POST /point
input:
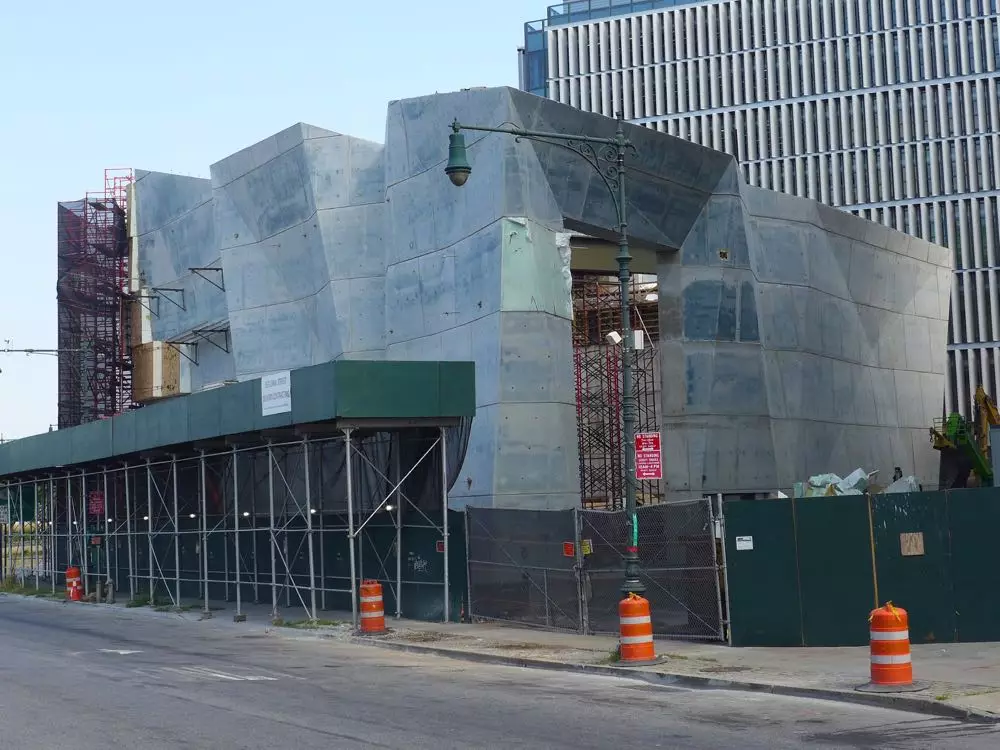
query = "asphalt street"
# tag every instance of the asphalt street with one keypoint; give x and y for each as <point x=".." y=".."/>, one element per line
<point x="83" y="677"/>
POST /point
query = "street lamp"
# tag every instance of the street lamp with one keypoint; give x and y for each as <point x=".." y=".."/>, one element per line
<point x="607" y="157"/>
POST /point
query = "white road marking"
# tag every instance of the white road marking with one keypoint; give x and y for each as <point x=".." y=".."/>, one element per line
<point x="207" y="673"/>
<point x="119" y="651"/>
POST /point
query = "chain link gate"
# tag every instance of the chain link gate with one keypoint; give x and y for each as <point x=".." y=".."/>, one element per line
<point x="563" y="569"/>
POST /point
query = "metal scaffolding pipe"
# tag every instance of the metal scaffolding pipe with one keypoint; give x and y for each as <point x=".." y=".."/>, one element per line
<point x="20" y="527"/>
<point x="177" y="534"/>
<point x="69" y="520"/>
<point x="204" y="533"/>
<point x="128" y="536"/>
<point x="396" y="471"/>
<point x="444" y="512"/>
<point x="236" y="532"/>
<point x="82" y="540"/>
<point x="274" y="542"/>
<point x="348" y="459"/>
<point x="52" y="529"/>
<point x="34" y="537"/>
<point x="309" y="527"/>
<point x="149" y="531"/>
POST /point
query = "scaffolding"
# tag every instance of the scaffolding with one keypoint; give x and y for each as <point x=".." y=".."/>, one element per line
<point x="92" y="291"/>
<point x="597" y="369"/>
<point x="291" y="523"/>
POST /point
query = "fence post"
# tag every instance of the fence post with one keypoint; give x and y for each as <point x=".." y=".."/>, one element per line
<point x="468" y="560"/>
<point x="728" y="622"/>
<point x="581" y="589"/>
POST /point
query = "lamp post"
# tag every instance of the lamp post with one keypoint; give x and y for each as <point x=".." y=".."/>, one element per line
<point x="607" y="157"/>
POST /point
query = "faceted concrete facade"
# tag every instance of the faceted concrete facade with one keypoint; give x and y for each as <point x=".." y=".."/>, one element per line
<point x="796" y="339"/>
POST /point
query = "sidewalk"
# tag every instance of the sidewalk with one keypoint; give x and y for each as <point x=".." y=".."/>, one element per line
<point x="963" y="680"/>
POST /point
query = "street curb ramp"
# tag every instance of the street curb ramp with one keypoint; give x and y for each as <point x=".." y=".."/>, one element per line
<point x="897" y="702"/>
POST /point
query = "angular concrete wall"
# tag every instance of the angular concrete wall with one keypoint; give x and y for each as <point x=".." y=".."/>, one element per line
<point x="336" y="247"/>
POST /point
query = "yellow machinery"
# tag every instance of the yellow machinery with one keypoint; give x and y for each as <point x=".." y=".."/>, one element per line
<point x="966" y="447"/>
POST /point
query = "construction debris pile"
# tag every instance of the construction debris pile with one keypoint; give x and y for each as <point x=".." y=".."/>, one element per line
<point x="858" y="482"/>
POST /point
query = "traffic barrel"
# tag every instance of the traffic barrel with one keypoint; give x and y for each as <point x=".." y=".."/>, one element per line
<point x="635" y="640"/>
<point x="889" y="632"/>
<point x="74" y="591"/>
<point x="372" y="610"/>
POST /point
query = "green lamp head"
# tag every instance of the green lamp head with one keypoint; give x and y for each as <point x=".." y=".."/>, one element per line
<point x="458" y="169"/>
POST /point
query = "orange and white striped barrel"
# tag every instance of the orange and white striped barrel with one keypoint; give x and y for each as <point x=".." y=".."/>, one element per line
<point x="372" y="610"/>
<point x="73" y="587"/>
<point x="635" y="638"/>
<point x="890" y="646"/>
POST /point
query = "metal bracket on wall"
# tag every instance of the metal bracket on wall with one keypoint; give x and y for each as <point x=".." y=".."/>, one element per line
<point x="202" y="270"/>
<point x="177" y="347"/>
<point x="206" y="334"/>
<point x="171" y="300"/>
<point x="140" y="297"/>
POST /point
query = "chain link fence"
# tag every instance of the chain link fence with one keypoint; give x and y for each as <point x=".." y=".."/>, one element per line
<point x="563" y="569"/>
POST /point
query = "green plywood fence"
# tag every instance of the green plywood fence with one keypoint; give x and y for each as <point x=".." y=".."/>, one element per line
<point x="809" y="577"/>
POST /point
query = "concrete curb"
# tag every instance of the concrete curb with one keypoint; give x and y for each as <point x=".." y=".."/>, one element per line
<point x="898" y="702"/>
<point x="670" y="679"/>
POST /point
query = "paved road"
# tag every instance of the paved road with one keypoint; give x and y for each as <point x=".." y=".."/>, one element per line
<point x="81" y="677"/>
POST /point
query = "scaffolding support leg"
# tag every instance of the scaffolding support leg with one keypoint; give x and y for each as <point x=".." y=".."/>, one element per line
<point x="348" y="460"/>
<point x="322" y="534"/>
<point x="204" y="533"/>
<point x="35" y="562"/>
<point x="128" y="537"/>
<point x="177" y="534"/>
<point x="52" y="529"/>
<point x="149" y="532"/>
<point x="20" y="530"/>
<point x="253" y="526"/>
<point x="82" y="540"/>
<point x="396" y="472"/>
<point x="444" y="513"/>
<point x="274" y="541"/>
<point x="69" y="519"/>
<point x="309" y="528"/>
<point x="239" y="616"/>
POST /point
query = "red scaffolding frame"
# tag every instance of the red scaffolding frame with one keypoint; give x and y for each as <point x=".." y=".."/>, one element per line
<point x="597" y="365"/>
<point x="93" y="299"/>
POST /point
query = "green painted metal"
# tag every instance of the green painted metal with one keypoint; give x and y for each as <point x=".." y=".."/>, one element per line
<point x="835" y="569"/>
<point x="341" y="390"/>
<point x="921" y="584"/>
<point x="973" y="518"/>
<point x="763" y="582"/>
<point x="817" y="553"/>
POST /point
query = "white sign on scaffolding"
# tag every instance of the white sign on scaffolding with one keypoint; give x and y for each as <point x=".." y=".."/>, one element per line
<point x="276" y="393"/>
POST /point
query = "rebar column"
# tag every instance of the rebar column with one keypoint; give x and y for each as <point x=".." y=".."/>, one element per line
<point x="348" y="460"/>
<point x="177" y="534"/>
<point x="238" y="617"/>
<point x="274" y="541"/>
<point x="444" y="512"/>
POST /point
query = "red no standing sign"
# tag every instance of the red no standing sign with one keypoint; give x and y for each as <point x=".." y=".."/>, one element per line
<point x="648" y="461"/>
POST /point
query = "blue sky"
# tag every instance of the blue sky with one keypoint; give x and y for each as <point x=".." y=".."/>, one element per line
<point x="176" y="86"/>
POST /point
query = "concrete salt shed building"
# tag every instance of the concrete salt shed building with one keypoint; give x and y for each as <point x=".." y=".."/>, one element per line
<point x="790" y="338"/>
